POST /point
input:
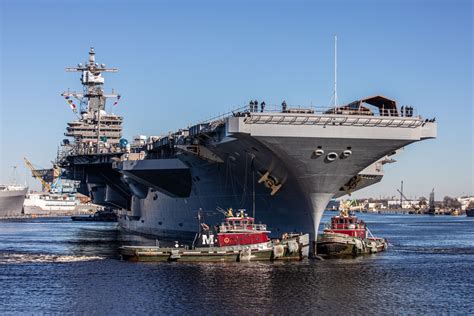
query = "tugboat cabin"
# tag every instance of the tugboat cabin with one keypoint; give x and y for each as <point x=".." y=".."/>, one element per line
<point x="241" y="230"/>
<point x="348" y="225"/>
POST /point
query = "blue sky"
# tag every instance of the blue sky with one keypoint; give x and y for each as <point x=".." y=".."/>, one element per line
<point x="182" y="61"/>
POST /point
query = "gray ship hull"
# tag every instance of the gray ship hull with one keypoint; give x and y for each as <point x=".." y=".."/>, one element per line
<point x="307" y="182"/>
<point x="11" y="202"/>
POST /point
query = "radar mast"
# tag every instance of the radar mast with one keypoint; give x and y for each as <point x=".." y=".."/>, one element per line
<point x="96" y="126"/>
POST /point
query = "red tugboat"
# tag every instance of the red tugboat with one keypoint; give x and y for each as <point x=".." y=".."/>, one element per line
<point x="241" y="231"/>
<point x="237" y="238"/>
<point x="348" y="225"/>
<point x="346" y="235"/>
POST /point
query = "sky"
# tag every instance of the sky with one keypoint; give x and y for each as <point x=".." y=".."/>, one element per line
<point x="183" y="61"/>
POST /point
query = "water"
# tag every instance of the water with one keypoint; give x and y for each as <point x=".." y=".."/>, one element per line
<point x="59" y="266"/>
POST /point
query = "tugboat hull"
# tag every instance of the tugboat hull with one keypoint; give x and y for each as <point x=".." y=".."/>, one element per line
<point x="294" y="248"/>
<point x="99" y="216"/>
<point x="332" y="249"/>
<point x="340" y="245"/>
<point x="194" y="255"/>
<point x="334" y="244"/>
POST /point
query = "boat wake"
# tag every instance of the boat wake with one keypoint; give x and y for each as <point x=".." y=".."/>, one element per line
<point x="437" y="250"/>
<point x="8" y="258"/>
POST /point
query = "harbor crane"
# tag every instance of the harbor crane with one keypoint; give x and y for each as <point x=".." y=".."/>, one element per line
<point x="350" y="205"/>
<point x="39" y="174"/>
<point x="402" y="196"/>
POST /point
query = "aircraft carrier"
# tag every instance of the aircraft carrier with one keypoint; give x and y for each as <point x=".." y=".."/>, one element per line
<point x="282" y="162"/>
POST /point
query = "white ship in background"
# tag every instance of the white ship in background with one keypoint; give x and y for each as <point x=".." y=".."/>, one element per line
<point x="57" y="197"/>
<point x="42" y="203"/>
<point x="11" y="200"/>
<point x="12" y="197"/>
<point x="285" y="162"/>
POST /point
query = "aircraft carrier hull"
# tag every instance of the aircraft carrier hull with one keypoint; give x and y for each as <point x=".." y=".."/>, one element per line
<point x="11" y="202"/>
<point x="308" y="182"/>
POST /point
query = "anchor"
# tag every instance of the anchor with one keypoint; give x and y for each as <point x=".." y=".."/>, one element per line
<point x="270" y="182"/>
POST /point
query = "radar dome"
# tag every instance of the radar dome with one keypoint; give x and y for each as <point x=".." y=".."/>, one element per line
<point x="123" y="142"/>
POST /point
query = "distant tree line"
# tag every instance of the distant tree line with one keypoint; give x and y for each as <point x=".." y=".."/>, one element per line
<point x="449" y="202"/>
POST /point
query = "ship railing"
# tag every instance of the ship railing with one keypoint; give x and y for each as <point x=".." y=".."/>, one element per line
<point x="289" y="108"/>
<point x="224" y="115"/>
<point x="328" y="226"/>
<point x="273" y="108"/>
<point x="252" y="227"/>
<point x="358" y="116"/>
<point x="89" y="150"/>
<point x="332" y="119"/>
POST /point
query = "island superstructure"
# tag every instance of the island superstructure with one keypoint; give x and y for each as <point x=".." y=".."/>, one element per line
<point x="284" y="162"/>
<point x="94" y="125"/>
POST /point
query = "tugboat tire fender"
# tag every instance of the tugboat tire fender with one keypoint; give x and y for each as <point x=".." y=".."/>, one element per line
<point x="278" y="251"/>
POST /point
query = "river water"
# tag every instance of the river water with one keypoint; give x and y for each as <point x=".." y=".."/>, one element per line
<point x="59" y="266"/>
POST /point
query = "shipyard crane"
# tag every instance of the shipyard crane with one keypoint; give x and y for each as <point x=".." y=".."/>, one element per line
<point x="350" y="205"/>
<point x="403" y="195"/>
<point x="406" y="199"/>
<point x="37" y="175"/>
